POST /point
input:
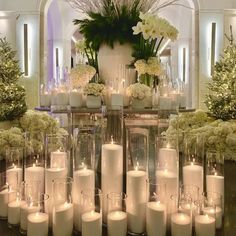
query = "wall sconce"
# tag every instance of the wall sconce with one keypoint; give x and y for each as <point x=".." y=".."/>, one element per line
<point x="213" y="45"/>
<point x="26" y="57"/>
<point x="184" y="64"/>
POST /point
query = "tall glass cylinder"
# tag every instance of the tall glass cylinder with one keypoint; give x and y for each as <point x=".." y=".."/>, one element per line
<point x="156" y="208"/>
<point x="215" y="173"/>
<point x="167" y="164"/>
<point x="112" y="155"/>
<point x="137" y="174"/>
<point x="34" y="158"/>
<point x="91" y="212"/>
<point x="14" y="160"/>
<point x="62" y="213"/>
<point x="117" y="216"/>
<point x="193" y="165"/>
<point x="84" y="169"/>
<point x="57" y="159"/>
<point x="37" y="223"/>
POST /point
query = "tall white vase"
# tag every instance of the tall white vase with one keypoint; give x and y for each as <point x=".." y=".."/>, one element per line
<point x="110" y="60"/>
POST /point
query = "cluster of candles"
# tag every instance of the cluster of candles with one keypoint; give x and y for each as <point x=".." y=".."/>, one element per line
<point x="68" y="209"/>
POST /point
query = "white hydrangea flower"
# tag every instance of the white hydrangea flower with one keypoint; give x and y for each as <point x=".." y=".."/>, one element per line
<point x="94" y="89"/>
<point x="139" y="91"/>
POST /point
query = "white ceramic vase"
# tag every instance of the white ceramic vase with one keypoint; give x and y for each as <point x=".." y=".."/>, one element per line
<point x="138" y="103"/>
<point x="93" y="101"/>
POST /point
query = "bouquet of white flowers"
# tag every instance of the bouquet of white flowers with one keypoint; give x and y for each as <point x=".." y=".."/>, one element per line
<point x="139" y="91"/>
<point x="94" y="89"/>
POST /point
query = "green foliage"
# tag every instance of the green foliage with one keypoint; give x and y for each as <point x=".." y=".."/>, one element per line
<point x="221" y="102"/>
<point x="112" y="25"/>
<point x="9" y="68"/>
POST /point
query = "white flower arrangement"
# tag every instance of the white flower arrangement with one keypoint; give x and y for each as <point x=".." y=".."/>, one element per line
<point x="152" y="66"/>
<point x="219" y="135"/>
<point x="81" y="75"/>
<point x="94" y="89"/>
<point x="80" y="46"/>
<point x="139" y="91"/>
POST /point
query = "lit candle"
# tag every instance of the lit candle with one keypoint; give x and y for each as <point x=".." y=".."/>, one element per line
<point x="136" y="200"/>
<point x="45" y="100"/>
<point x="164" y="102"/>
<point x="75" y="98"/>
<point x="62" y="98"/>
<point x="63" y="220"/>
<point x="91" y="224"/>
<point x="14" y="212"/>
<point x="193" y="175"/>
<point x="183" y="100"/>
<point x="50" y="175"/>
<point x="83" y="179"/>
<point x="215" y="183"/>
<point x="181" y="224"/>
<point x="156" y="219"/>
<point x="35" y="174"/>
<point x="58" y="159"/>
<point x="14" y="176"/>
<point x="37" y="224"/>
<point x="25" y="210"/>
<point x="4" y="198"/>
<point x="204" y="225"/>
<point x="112" y="171"/>
<point x="117" y="223"/>
<point x="116" y="100"/>
<point x="215" y="212"/>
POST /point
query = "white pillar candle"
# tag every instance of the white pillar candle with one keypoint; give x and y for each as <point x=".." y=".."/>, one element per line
<point x="164" y="102"/>
<point x="169" y="178"/>
<point x="35" y="173"/>
<point x="117" y="223"/>
<point x="37" y="224"/>
<point x="62" y="98"/>
<point x="83" y="179"/>
<point x="156" y="219"/>
<point x="75" y="99"/>
<point x="215" y="213"/>
<point x="25" y="210"/>
<point x="136" y="200"/>
<point x="168" y="158"/>
<point x="193" y="175"/>
<point x="50" y="175"/>
<point x="45" y="100"/>
<point x="63" y="220"/>
<point x="204" y="225"/>
<point x="14" y="212"/>
<point x="182" y="100"/>
<point x="181" y="224"/>
<point x="91" y="224"/>
<point x="14" y="176"/>
<point x="112" y="171"/>
<point x="215" y="183"/>
<point x="4" y="195"/>
<point x="58" y="159"/>
<point x="116" y="100"/>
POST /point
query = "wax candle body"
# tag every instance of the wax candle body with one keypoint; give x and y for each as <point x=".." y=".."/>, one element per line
<point x="116" y="100"/>
<point x="156" y="219"/>
<point x="14" y="212"/>
<point x="193" y="175"/>
<point x="216" y="213"/>
<point x="45" y="100"/>
<point x="62" y="98"/>
<point x="181" y="224"/>
<point x="204" y="225"/>
<point x="91" y="224"/>
<point x="35" y="173"/>
<point x="63" y="220"/>
<point x="58" y="159"/>
<point x="37" y="224"/>
<point x="4" y="198"/>
<point x="14" y="176"/>
<point x="164" y="103"/>
<point x="136" y="200"/>
<point x="25" y="210"/>
<point x="112" y="171"/>
<point x="117" y="223"/>
<point x="83" y="179"/>
<point x="75" y="99"/>
<point x="168" y="158"/>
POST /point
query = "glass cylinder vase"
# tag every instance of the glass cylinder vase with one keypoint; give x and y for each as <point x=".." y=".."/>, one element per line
<point x="137" y="174"/>
<point x="84" y="169"/>
<point x="112" y="154"/>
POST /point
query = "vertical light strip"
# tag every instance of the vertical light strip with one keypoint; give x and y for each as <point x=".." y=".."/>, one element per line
<point x="26" y="62"/>
<point x="213" y="45"/>
<point x="184" y="64"/>
<point x="57" y="57"/>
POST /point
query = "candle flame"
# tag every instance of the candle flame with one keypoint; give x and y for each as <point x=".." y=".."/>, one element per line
<point x="137" y="166"/>
<point x="112" y="141"/>
<point x="215" y="173"/>
<point x="34" y="165"/>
